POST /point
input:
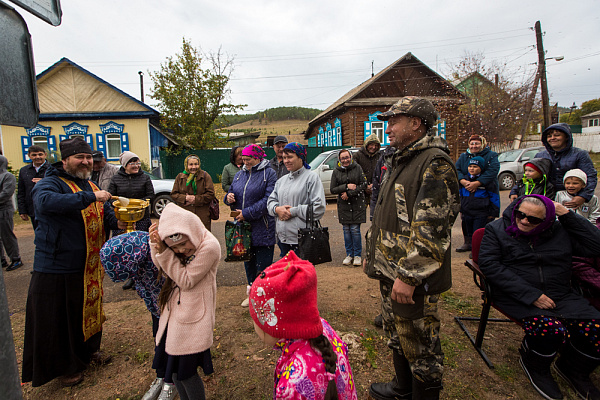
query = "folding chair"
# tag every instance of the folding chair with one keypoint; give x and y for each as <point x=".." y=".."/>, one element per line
<point x="486" y="296"/>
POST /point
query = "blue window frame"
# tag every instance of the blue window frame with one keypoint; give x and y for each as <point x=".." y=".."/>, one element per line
<point x="112" y="141"/>
<point x="40" y="136"/>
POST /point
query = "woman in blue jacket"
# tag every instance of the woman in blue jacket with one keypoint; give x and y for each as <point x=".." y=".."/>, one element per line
<point x="248" y="195"/>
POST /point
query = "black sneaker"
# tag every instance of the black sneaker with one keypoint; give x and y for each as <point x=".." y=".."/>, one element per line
<point x="14" y="265"/>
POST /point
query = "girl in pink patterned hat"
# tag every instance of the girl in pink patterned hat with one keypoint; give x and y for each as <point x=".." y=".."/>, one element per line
<point x="314" y="360"/>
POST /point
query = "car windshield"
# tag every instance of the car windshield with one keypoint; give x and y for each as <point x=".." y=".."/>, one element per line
<point x="153" y="177"/>
<point x="317" y="161"/>
<point x="509" y="156"/>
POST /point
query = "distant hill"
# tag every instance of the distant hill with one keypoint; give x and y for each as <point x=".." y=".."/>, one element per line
<point x="270" y="115"/>
<point x="266" y="128"/>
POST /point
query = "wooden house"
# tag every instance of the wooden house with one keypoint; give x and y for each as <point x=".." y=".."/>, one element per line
<point x="353" y="117"/>
<point x="74" y="102"/>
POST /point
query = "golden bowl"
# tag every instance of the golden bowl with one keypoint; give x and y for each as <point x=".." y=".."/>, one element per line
<point x="131" y="213"/>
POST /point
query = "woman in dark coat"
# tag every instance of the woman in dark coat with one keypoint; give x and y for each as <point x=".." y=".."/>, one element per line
<point x="131" y="182"/>
<point x="248" y="195"/>
<point x="194" y="190"/>
<point x="526" y="257"/>
<point x="349" y="183"/>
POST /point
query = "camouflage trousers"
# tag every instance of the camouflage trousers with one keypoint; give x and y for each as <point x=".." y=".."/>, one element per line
<point x="413" y="330"/>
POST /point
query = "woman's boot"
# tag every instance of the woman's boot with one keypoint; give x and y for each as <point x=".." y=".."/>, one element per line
<point x="466" y="246"/>
<point x="575" y="367"/>
<point x="400" y="388"/>
<point x="537" y="369"/>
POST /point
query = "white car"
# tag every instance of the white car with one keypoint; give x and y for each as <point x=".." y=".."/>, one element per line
<point x="162" y="194"/>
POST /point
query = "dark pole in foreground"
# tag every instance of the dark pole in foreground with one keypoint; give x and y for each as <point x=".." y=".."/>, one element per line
<point x="10" y="387"/>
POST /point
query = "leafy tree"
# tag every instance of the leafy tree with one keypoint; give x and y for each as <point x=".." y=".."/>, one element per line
<point x="497" y="105"/>
<point x="574" y="118"/>
<point x="191" y="97"/>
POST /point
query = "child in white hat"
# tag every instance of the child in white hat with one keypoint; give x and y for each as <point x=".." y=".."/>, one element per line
<point x="575" y="180"/>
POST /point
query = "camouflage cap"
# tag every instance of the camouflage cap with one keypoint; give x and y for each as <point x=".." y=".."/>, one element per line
<point x="415" y="107"/>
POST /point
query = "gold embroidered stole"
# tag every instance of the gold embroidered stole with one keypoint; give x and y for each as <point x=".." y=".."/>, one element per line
<point x="93" y="221"/>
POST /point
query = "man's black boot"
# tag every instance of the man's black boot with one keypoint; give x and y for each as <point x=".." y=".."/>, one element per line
<point x="575" y="367"/>
<point x="400" y="388"/>
<point x="426" y="390"/>
<point x="537" y="369"/>
<point x="14" y="265"/>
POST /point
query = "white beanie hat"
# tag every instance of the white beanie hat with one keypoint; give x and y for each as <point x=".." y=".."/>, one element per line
<point x="126" y="156"/>
<point x="576" y="173"/>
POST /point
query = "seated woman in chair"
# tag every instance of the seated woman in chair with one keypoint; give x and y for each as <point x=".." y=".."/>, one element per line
<point x="526" y="257"/>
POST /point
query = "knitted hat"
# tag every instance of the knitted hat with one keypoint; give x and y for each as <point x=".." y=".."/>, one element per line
<point x="283" y="299"/>
<point x="576" y="173"/>
<point x="126" y="156"/>
<point x="73" y="146"/>
<point x="533" y="166"/>
<point x="479" y="161"/>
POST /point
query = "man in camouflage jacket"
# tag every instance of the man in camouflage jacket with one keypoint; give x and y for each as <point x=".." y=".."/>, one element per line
<point x="410" y="254"/>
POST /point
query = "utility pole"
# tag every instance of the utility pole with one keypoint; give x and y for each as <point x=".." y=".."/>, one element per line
<point x="141" y="85"/>
<point x="542" y="73"/>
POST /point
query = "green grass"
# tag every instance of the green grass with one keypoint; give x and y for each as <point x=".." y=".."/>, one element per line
<point x="368" y="341"/>
<point x="457" y="305"/>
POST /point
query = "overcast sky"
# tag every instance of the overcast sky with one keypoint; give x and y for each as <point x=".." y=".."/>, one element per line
<point x="309" y="53"/>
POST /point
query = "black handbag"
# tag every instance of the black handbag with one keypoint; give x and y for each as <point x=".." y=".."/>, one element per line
<point x="313" y="241"/>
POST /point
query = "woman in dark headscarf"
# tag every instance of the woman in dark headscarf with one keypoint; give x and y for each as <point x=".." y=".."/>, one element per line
<point x="232" y="168"/>
<point x="194" y="190"/>
<point x="526" y="257"/>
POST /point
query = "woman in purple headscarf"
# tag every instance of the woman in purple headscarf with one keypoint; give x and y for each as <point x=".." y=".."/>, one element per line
<point x="248" y="195"/>
<point x="526" y="257"/>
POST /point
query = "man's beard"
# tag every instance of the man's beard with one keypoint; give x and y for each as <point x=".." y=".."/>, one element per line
<point x="79" y="173"/>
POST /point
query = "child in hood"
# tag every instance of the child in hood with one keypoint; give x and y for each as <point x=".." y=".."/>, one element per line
<point x="187" y="254"/>
<point x="481" y="206"/>
<point x="575" y="181"/>
<point x="127" y="256"/>
<point x="314" y="360"/>
<point x="535" y="180"/>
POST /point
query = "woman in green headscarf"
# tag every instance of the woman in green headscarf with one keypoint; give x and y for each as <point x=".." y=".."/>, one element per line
<point x="194" y="189"/>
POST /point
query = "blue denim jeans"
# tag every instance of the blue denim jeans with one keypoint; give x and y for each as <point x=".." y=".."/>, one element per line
<point x="286" y="248"/>
<point x="261" y="257"/>
<point x="352" y="240"/>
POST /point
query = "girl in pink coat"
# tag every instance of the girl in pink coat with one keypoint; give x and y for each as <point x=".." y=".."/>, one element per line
<point x="188" y="255"/>
<point x="314" y="361"/>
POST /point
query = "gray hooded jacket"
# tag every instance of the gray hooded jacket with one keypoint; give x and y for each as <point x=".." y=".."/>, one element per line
<point x="8" y="182"/>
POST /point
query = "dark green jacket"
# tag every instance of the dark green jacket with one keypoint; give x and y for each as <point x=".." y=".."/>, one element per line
<point x="412" y="224"/>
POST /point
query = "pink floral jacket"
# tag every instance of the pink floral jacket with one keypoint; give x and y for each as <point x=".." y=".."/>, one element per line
<point x="300" y="371"/>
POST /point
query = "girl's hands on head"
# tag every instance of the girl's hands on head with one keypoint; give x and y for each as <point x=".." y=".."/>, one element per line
<point x="155" y="241"/>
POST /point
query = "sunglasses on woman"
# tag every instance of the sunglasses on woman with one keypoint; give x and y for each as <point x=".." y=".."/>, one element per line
<point x="532" y="220"/>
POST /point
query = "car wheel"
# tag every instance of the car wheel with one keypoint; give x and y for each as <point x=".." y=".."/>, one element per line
<point x="506" y="181"/>
<point x="160" y="203"/>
